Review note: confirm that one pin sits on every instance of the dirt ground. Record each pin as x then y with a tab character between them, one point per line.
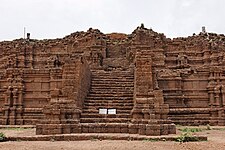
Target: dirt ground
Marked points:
216	141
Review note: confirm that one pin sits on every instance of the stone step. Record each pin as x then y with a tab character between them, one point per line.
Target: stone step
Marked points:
112	71
92	115
112	82
122	89
111	92
116	84
125	73
96	111
188	118
111	101
110	77
192	122
104	127
109	98
93	85
109	107
110	95
97	78
109	104
113	74
105	120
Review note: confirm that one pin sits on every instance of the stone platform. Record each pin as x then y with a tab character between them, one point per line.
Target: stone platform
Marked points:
99	136
145	81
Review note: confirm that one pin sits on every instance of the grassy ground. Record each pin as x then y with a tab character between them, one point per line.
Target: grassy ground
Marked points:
216	136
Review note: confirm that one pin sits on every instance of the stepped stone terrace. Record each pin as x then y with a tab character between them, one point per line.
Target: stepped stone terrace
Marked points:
90	82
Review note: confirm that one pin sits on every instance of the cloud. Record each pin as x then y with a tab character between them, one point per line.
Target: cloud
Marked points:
189	16
57	18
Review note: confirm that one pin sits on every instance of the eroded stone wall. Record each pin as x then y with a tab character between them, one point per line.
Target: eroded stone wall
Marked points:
62	113
187	74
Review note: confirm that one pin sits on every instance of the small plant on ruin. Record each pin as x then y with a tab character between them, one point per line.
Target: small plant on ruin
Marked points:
220	129
52	140
2	137
17	129
94	139
208	127
186	137
191	130
151	140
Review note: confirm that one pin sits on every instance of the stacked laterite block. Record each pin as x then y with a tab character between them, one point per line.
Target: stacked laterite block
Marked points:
109	90
62	114
149	114
151	81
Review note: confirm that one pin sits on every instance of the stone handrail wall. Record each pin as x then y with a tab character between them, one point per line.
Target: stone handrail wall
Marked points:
76	81
148	101
83	80
62	115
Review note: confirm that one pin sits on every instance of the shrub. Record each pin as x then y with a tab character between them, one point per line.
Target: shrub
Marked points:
186	137
151	140
208	127
191	130
2	137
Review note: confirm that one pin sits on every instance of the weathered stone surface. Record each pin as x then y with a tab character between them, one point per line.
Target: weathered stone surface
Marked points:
149	80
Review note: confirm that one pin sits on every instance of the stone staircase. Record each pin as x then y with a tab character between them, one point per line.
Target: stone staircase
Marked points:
109	90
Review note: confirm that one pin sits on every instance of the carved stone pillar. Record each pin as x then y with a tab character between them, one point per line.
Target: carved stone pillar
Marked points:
15	97
149	110
217	96
7	97
20	97
7	105
211	98
12	116
20	108
223	96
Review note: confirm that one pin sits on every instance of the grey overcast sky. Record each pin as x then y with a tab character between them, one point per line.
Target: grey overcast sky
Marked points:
57	18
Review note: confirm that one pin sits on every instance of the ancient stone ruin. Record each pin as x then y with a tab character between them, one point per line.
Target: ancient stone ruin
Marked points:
90	82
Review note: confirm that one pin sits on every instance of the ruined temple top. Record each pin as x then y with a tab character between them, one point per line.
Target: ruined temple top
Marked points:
140	36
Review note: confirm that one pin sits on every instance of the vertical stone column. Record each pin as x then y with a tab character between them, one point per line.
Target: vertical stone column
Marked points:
149	112
19	111
143	87
211	98
9	108
12	114
217	97
6	107
15	97
211	88
223	96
